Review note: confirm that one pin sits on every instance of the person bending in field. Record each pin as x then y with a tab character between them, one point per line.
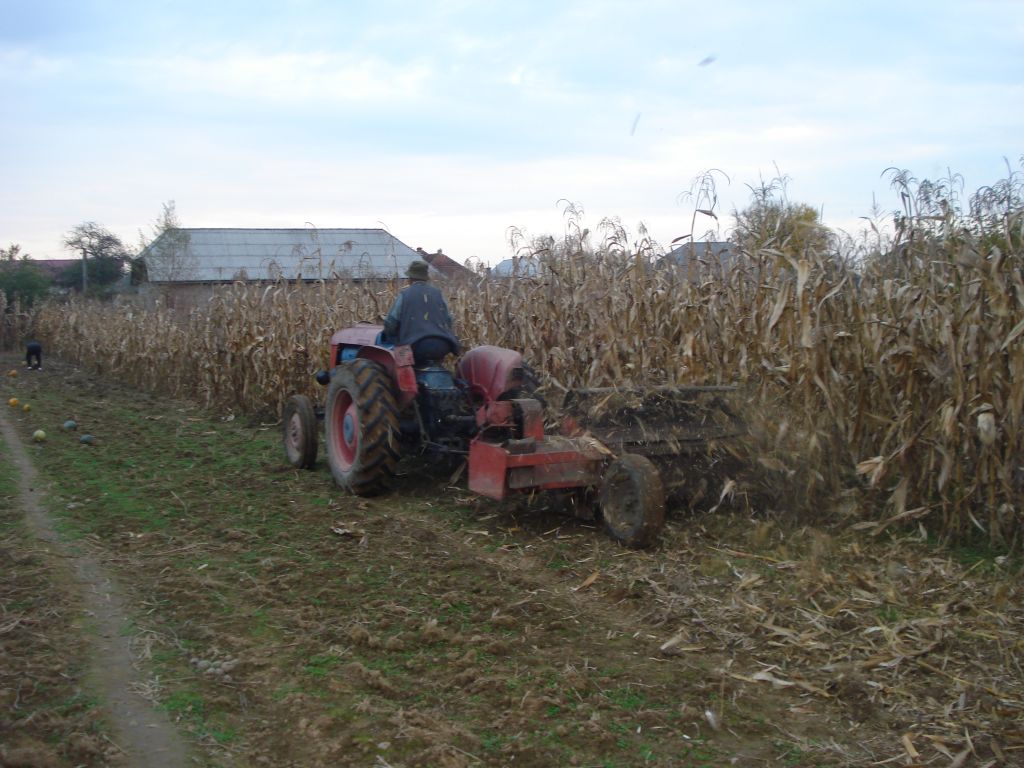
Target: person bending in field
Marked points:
420	317
34	355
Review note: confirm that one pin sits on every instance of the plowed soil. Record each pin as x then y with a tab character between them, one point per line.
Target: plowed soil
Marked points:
280	622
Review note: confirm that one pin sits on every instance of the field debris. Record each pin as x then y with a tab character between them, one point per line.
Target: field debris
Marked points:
349	530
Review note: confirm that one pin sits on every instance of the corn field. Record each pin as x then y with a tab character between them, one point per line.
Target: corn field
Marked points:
899	380
15	323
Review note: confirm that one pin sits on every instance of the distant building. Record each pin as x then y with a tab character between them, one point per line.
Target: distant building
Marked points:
716	257
190	263
54	268
521	266
446	265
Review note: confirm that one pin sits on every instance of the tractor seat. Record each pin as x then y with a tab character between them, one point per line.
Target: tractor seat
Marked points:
431	350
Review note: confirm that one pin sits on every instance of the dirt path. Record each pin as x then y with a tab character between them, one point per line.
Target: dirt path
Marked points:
145	735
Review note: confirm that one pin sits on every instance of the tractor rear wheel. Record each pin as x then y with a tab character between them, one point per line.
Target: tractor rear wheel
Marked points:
632	501
300	432
361	427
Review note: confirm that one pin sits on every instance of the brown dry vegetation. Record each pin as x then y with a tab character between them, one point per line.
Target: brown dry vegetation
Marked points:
898	376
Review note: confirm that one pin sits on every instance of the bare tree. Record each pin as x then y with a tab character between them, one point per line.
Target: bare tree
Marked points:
103	247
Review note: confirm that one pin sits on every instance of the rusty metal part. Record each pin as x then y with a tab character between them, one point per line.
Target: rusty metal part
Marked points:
549	463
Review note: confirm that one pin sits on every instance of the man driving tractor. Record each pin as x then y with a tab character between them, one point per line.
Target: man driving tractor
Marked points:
420	318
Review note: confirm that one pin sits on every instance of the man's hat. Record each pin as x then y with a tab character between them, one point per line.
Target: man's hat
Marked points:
417	270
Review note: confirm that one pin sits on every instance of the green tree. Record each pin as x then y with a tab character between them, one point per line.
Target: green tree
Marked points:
104	257
167	256
20	279
771	221
11	253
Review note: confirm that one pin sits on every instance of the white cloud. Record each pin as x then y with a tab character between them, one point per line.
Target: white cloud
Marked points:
21	64
291	78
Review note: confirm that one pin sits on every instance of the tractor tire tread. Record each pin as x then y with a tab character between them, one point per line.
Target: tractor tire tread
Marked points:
378	430
300	452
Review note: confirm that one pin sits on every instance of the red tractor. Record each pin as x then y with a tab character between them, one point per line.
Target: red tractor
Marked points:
380	404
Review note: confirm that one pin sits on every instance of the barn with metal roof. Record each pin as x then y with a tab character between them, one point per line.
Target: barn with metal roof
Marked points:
211	256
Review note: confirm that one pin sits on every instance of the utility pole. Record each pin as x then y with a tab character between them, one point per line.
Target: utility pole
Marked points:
83	272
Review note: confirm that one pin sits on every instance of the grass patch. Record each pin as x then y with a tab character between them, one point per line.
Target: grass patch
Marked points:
981	557
321	665
186	702
627	698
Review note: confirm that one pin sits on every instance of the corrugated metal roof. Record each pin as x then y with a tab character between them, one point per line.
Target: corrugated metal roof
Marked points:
225	255
524	266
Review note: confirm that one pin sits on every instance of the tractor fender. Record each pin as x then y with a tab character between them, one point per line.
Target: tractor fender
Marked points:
358	335
396	361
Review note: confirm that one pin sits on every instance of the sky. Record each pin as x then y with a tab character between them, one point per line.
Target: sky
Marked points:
450	123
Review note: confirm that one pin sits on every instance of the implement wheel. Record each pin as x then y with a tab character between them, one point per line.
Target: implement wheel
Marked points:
632	501
361	427
300	432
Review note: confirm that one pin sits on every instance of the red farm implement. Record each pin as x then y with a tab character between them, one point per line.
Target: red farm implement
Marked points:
380	404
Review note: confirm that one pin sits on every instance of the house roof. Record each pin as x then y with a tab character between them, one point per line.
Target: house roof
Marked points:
444	264
524	266
53	268
226	255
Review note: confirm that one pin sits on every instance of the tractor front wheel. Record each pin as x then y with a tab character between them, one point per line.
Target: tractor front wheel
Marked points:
361	427
300	432
632	501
